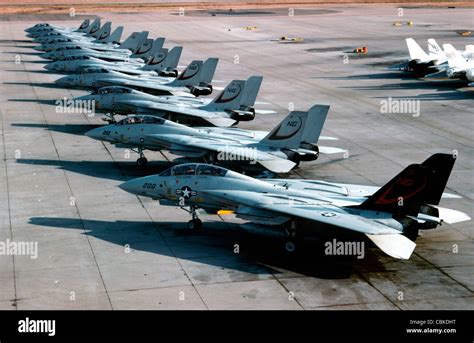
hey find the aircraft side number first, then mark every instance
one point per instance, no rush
(149, 185)
(106, 133)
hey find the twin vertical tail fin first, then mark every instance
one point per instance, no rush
(229, 98)
(416, 52)
(252, 87)
(455, 59)
(134, 41)
(84, 25)
(208, 70)
(238, 98)
(289, 133)
(149, 48)
(435, 51)
(189, 76)
(316, 118)
(94, 27)
(114, 37)
(416, 186)
(164, 59)
(104, 31)
(172, 59)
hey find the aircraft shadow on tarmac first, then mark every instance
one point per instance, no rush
(104, 169)
(441, 85)
(451, 95)
(35, 84)
(214, 245)
(374, 76)
(34, 71)
(26, 53)
(18, 41)
(73, 129)
(39, 101)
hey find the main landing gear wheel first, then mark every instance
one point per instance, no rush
(290, 247)
(290, 241)
(195, 224)
(142, 162)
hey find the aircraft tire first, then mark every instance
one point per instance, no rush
(195, 224)
(290, 247)
(142, 162)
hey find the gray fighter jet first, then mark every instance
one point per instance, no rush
(295, 209)
(235, 103)
(195, 79)
(278, 151)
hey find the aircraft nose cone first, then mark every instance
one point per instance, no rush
(95, 133)
(134, 186)
(63, 81)
(83, 98)
(38, 48)
(46, 56)
(49, 66)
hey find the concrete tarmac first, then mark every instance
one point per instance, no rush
(102, 248)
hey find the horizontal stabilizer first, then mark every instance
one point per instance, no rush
(451, 216)
(257, 111)
(278, 165)
(222, 122)
(328, 138)
(330, 150)
(395, 245)
(438, 75)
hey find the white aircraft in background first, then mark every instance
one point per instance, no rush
(420, 61)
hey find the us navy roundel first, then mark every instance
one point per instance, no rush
(186, 192)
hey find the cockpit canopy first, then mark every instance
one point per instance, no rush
(113, 90)
(94, 70)
(194, 169)
(141, 120)
(74, 58)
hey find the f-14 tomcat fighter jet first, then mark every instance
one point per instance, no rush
(278, 151)
(295, 209)
(46, 27)
(194, 80)
(458, 65)
(103, 38)
(96, 38)
(420, 61)
(163, 64)
(42, 29)
(61, 47)
(148, 48)
(233, 104)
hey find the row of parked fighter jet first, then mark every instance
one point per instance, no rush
(139, 76)
(439, 63)
(292, 209)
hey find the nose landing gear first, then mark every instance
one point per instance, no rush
(142, 160)
(194, 224)
(291, 241)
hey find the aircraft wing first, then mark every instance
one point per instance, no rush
(357, 193)
(229, 148)
(151, 107)
(157, 84)
(386, 238)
